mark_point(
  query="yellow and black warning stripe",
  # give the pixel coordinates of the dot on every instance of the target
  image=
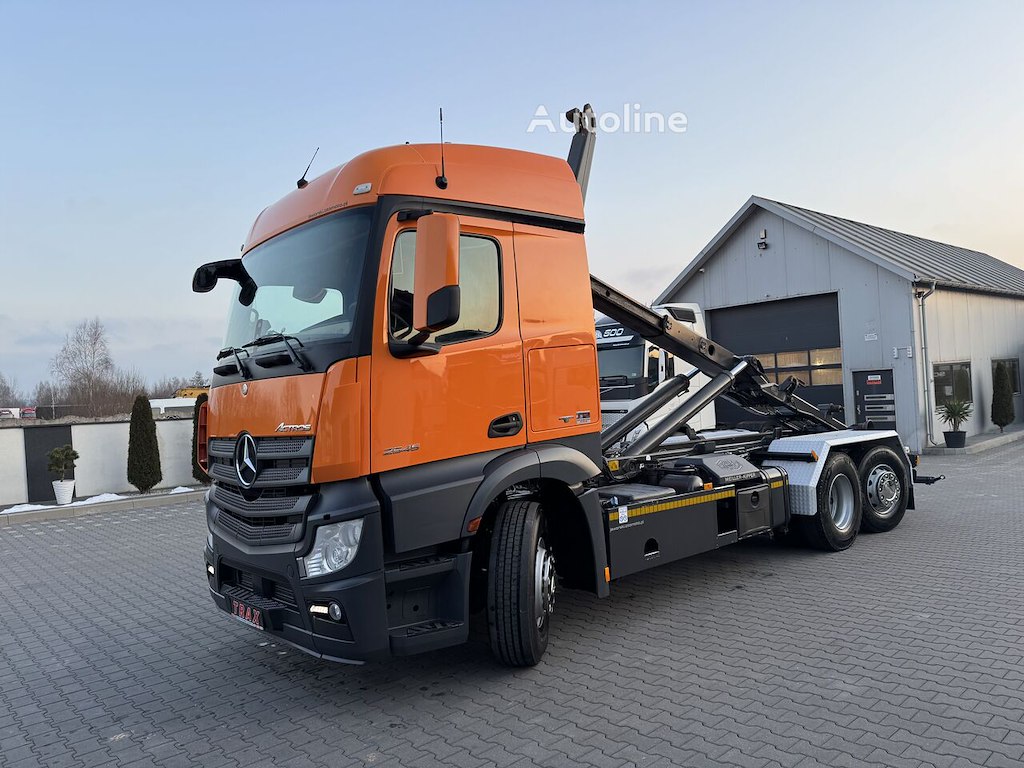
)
(665, 506)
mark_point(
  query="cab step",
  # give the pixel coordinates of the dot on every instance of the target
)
(427, 636)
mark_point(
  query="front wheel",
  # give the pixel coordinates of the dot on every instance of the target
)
(884, 486)
(520, 584)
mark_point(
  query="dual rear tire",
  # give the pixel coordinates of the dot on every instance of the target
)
(870, 496)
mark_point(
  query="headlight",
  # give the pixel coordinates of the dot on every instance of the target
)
(335, 547)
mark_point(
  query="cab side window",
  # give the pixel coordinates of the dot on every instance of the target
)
(479, 283)
(653, 358)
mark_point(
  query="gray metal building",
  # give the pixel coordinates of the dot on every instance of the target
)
(883, 323)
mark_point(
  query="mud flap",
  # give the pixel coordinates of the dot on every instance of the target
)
(594, 516)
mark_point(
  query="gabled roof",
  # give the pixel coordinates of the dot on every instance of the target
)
(914, 258)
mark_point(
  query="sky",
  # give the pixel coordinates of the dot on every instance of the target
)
(139, 140)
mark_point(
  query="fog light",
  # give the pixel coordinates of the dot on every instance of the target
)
(209, 570)
(334, 611)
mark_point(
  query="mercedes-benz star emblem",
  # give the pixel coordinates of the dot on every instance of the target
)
(245, 460)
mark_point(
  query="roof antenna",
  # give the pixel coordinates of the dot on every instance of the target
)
(442, 180)
(302, 182)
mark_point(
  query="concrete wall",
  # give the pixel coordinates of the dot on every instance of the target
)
(876, 307)
(977, 328)
(13, 483)
(103, 459)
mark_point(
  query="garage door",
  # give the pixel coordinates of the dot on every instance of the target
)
(791, 337)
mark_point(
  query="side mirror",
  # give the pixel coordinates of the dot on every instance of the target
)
(436, 296)
(205, 278)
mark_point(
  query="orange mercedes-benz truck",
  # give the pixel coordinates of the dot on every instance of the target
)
(404, 424)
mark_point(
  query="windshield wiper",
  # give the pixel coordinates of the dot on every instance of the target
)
(274, 336)
(223, 370)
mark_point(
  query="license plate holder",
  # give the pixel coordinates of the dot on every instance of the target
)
(247, 614)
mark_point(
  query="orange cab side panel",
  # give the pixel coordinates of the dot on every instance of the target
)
(557, 322)
(440, 406)
(343, 430)
(268, 404)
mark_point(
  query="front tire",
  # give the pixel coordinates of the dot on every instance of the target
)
(520, 584)
(884, 486)
(835, 525)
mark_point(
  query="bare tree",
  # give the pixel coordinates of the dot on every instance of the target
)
(118, 391)
(167, 386)
(84, 364)
(46, 397)
(9, 394)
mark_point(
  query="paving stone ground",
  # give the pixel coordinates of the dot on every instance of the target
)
(904, 651)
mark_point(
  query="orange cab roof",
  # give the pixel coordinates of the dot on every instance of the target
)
(506, 178)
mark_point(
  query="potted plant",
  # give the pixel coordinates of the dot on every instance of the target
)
(954, 413)
(62, 460)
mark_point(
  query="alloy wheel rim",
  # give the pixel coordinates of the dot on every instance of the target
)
(883, 488)
(841, 502)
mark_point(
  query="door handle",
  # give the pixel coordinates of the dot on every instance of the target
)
(505, 426)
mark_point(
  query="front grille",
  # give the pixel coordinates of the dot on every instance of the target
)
(221, 445)
(273, 510)
(277, 474)
(281, 444)
(280, 461)
(261, 530)
(268, 500)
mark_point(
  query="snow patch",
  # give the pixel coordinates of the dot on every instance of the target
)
(82, 502)
(181, 489)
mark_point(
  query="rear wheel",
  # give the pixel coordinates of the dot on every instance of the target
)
(884, 487)
(520, 584)
(835, 525)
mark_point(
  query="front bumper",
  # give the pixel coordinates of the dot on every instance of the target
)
(389, 609)
(361, 635)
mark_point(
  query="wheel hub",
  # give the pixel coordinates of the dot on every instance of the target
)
(883, 489)
(544, 583)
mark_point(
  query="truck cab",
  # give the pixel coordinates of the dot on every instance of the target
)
(401, 356)
(631, 367)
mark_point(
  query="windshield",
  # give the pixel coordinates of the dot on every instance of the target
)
(307, 282)
(621, 361)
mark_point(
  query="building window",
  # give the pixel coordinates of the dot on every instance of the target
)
(952, 382)
(1013, 368)
(814, 367)
(830, 356)
(479, 280)
(824, 377)
(791, 359)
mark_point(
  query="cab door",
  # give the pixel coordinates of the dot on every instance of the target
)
(469, 398)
